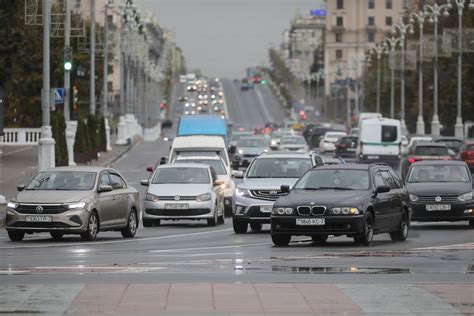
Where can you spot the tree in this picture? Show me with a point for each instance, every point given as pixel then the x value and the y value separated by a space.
pixel 58 125
pixel 102 135
pixel 92 133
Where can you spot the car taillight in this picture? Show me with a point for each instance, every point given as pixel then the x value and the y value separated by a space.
pixel 411 160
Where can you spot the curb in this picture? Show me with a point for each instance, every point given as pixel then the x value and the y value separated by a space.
pixel 112 160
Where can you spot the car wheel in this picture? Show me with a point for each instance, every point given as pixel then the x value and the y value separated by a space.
pixel 131 229
pixel 471 223
pixel 151 222
pixel 319 238
pixel 240 226
pixel 402 233
pixel 280 240
pixel 367 234
pixel 228 211
pixel 92 228
pixel 16 235
pixel 56 235
pixel 213 221
pixel 256 227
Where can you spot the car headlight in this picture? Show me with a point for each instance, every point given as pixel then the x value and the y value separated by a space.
pixel 12 205
pixel 413 198
pixel 344 211
pixel 241 151
pixel 274 143
pixel 151 197
pixel 242 192
pixel 465 197
pixel 74 206
pixel 203 197
pixel 282 211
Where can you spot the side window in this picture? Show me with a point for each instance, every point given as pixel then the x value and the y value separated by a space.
pixel 387 178
pixel 213 174
pixel 378 180
pixel 104 179
pixel 396 179
pixel 389 133
pixel 117 182
pixel 318 160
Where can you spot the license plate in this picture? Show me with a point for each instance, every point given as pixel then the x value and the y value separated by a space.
pixel 39 219
pixel 177 206
pixel 438 207
pixel 372 157
pixel 266 208
pixel 310 221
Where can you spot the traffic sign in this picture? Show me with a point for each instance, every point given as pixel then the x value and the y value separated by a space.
pixel 58 95
pixel 320 12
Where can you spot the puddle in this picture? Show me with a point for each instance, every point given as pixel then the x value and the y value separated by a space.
pixel 325 270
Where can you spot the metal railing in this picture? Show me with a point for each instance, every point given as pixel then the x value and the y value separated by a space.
pixel 20 136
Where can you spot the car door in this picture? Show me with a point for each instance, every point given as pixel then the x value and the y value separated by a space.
pixel 106 201
pixel 381 203
pixel 121 199
pixel 395 198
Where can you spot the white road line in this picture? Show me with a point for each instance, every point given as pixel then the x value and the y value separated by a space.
pixel 17 151
pixel 210 248
pixel 116 241
pixel 467 246
pixel 262 103
pixel 226 110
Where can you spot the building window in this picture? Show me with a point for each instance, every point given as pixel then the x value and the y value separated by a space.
pixel 388 21
pixel 339 54
pixel 371 21
pixel 339 21
pixel 371 4
pixel 388 4
pixel 339 37
pixel 406 4
pixel 77 3
pixel 340 4
pixel 371 37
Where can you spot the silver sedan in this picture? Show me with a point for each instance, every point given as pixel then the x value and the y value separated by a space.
pixel 73 200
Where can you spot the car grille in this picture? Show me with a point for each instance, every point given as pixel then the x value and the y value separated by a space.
pixel 444 199
pixel 47 209
pixel 178 213
pixel 269 195
pixel 311 210
pixel 181 198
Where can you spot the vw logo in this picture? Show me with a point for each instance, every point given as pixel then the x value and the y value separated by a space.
pixel 177 198
pixel 312 203
pixel 274 192
pixel 438 199
pixel 39 209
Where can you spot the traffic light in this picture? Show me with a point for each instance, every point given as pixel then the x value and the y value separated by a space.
pixel 68 58
pixel 264 82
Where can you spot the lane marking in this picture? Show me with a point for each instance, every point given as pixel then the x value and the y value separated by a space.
pixel 116 241
pixel 226 110
pixel 262 104
pixel 210 248
pixel 466 246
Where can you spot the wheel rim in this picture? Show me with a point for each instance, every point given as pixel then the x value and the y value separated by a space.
pixel 369 232
pixel 132 222
pixel 93 225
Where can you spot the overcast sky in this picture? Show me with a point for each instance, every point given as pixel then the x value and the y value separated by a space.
pixel 223 37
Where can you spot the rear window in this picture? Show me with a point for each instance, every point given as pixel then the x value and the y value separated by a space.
pixel 348 140
pixel 389 134
pixel 470 147
pixel 431 151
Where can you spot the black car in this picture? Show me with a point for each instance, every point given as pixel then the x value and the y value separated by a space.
pixel 424 151
pixel 346 147
pixel 356 200
pixel 441 191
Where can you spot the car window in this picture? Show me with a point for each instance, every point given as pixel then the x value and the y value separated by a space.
pixel 378 179
pixel 216 164
pixel 388 180
pixel 116 180
pixel 63 180
pixel 431 151
pixel 213 174
pixel 338 179
pixel 389 133
pixel 104 179
pixel 181 175
pixel 279 167
pixel 438 173
pixel 396 179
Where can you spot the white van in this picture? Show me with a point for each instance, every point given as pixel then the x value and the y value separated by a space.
pixel 379 141
pixel 199 144
pixel 368 115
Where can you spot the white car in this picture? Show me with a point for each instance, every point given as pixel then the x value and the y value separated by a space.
pixel 183 192
pixel 293 143
pixel 328 142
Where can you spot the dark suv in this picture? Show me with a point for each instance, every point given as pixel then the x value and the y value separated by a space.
pixel 356 200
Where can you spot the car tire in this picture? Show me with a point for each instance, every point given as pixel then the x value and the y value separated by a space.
pixel 256 227
pixel 16 235
pixel 240 226
pixel 151 222
pixel 319 239
pixel 281 240
pixel 213 221
pixel 471 223
pixel 367 234
pixel 132 224
pixel 92 228
pixel 402 233
pixel 56 235
pixel 228 211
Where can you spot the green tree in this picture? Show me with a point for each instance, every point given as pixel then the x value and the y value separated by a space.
pixel 102 135
pixel 92 132
pixel 58 125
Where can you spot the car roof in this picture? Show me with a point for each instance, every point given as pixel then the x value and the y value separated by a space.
pixel 79 168
pixel 183 165
pixel 439 162
pixel 202 157
pixel 348 166
pixel 284 154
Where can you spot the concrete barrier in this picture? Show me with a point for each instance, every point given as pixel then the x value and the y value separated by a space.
pixel 3 207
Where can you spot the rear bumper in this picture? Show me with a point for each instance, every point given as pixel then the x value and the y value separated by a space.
pixel 340 225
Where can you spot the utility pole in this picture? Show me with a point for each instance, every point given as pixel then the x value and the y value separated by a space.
pixel 105 91
pixel 67 73
pixel 92 61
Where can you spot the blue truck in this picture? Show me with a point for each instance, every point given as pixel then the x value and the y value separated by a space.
pixel 211 125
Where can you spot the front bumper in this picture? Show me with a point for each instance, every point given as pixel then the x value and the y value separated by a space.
pixel 334 225
pixel 195 210
pixel 250 209
pixel 461 211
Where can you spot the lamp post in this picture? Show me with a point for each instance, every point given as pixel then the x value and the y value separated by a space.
pixel 92 59
pixel 403 29
pixel 392 42
pixel 318 76
pixel 434 11
pixel 379 49
pixel 420 17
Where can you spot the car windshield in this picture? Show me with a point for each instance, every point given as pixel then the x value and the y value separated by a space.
pixel 348 141
pixel 293 141
pixel 279 167
pixel 334 179
pixel 438 173
pixel 63 180
pixel 214 163
pixel 252 142
pixel 431 151
pixel 452 144
pixel 181 175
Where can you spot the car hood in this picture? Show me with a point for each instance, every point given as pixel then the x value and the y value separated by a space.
pixel 327 198
pixel 52 196
pixel 266 183
pixel 251 150
pixel 438 188
pixel 179 189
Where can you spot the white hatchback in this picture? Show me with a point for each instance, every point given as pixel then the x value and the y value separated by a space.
pixel 328 142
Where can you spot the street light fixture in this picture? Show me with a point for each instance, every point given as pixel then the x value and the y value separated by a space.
pixel 379 49
pixel 392 42
pixel 434 11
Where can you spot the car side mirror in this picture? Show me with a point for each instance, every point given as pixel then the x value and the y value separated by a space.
pixel 149 169
pixel 218 183
pixel 105 188
pixel 285 189
pixel 382 189
pixel 145 183
pixel 20 187
pixel 162 161
pixel 238 174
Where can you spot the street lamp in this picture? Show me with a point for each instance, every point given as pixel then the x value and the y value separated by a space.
pixel 318 76
pixel 434 11
pixel 379 49
pixel 392 42
pixel 403 29
pixel 420 17
pixel 459 128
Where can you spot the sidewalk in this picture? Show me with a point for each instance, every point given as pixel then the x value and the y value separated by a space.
pixel 238 299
